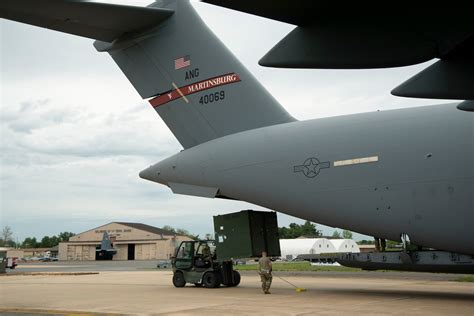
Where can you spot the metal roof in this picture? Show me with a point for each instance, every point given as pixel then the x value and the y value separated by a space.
pixel 148 228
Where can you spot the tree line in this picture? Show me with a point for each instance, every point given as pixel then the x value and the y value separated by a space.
pixel 310 230
pixel 296 230
pixel 181 231
pixel 292 231
pixel 346 234
pixel 6 240
pixel 46 241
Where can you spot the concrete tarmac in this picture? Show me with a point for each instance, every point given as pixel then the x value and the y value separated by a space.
pixel 151 292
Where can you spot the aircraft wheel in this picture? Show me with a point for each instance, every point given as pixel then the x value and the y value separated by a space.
pixel 178 279
pixel 211 280
pixel 236 276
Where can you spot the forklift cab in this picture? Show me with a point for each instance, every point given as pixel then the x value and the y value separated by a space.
pixel 195 262
pixel 196 255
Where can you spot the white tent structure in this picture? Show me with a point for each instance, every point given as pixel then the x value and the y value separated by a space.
pixel 323 245
pixel 291 248
pixel 345 245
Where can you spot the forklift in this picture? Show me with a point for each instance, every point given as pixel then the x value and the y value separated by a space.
pixel 196 262
pixel 238 235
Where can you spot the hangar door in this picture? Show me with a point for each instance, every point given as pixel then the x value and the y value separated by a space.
pixel 145 251
pixel 80 252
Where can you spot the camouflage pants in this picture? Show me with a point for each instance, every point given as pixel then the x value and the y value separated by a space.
pixel 266 281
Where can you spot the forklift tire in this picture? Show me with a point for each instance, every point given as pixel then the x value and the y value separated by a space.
pixel 236 276
pixel 178 279
pixel 211 280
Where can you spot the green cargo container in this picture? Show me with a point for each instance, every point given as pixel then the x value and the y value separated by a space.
pixel 246 234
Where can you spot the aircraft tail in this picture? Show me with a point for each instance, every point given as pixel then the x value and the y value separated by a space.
pixel 191 79
pixel 196 85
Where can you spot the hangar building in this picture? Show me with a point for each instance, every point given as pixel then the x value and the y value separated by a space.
pixel 133 241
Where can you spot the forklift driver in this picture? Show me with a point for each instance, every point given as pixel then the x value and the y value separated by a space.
pixel 206 253
pixel 203 258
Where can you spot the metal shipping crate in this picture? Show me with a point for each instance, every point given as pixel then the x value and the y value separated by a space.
pixel 246 234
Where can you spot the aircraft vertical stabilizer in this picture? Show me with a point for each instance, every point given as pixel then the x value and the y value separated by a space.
pixel 194 82
pixel 191 79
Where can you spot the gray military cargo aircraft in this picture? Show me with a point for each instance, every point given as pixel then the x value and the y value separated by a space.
pixel 390 174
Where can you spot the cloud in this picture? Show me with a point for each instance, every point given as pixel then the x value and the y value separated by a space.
pixel 31 115
pixel 34 129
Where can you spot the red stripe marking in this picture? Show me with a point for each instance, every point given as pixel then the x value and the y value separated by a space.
pixel 195 87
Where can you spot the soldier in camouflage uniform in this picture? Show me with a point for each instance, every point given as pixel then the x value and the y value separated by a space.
pixel 265 271
pixel 206 253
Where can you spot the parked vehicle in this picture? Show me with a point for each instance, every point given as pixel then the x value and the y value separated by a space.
pixel 12 262
pixel 164 264
pixel 7 262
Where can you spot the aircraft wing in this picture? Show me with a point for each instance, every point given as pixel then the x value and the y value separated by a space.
pixel 101 21
pixel 332 35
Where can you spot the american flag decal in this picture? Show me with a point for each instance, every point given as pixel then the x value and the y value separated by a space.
pixel 182 62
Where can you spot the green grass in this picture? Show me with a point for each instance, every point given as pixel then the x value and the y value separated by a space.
pixel 466 278
pixel 296 266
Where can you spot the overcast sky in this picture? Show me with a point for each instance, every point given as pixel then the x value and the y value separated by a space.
pixel 75 133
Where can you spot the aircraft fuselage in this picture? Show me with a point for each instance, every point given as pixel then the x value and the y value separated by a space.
pixel 384 174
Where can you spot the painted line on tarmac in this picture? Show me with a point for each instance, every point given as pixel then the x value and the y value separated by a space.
pixel 48 273
pixel 41 266
pixel 28 311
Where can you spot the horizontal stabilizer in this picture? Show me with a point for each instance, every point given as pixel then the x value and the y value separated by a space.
pixel 306 12
pixel 102 21
pixel 333 47
pixel 359 35
pixel 446 79
pixel 467 106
